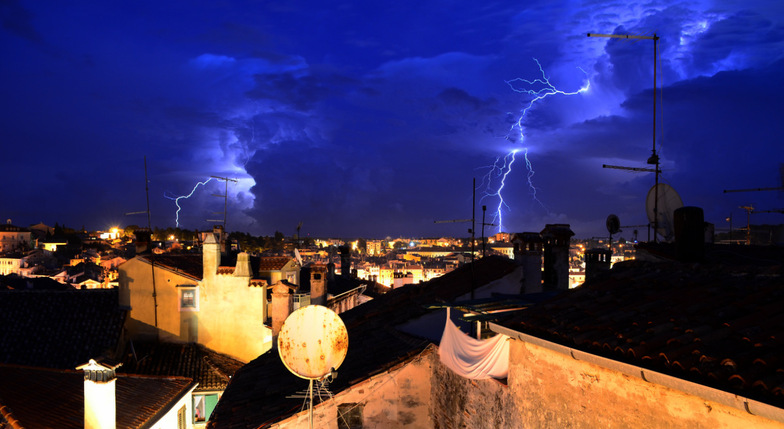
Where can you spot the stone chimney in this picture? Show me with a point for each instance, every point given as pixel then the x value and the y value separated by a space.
pixel 556 239
pixel 689 229
pixel 100 408
pixel 331 272
pixel 597 261
pixel 318 284
pixel 221 237
pixel 345 261
pixel 528 253
pixel 282 301
pixel 243 266
pixel 143 240
pixel 211 256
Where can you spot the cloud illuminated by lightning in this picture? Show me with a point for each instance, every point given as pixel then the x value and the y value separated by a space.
pixel 177 199
pixel 537 89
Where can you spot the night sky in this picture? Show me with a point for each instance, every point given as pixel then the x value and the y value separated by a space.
pixel 363 119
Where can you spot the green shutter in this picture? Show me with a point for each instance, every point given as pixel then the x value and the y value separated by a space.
pixel 210 402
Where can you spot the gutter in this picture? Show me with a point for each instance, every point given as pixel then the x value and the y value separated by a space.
pixel 751 406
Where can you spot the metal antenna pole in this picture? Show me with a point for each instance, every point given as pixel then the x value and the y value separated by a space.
pixel 152 254
pixel 654 159
pixel 225 197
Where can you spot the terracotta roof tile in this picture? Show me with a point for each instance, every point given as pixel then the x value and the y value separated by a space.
pixel 715 323
pixel 212 370
pixel 39 397
pixel 272 263
pixel 189 264
pixel 59 329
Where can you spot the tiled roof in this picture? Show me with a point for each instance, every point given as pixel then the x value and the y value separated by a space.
pixel 52 398
pixel 188 263
pixel 719 324
pixel 272 263
pixel 257 393
pixel 212 370
pixel 58 329
pixel 31 283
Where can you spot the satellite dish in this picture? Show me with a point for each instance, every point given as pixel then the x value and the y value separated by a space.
pixel 669 201
pixel 298 256
pixel 613 224
pixel 313 342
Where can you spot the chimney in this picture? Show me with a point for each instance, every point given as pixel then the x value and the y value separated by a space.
pixel 331 272
pixel 556 239
pixel 345 262
pixel 243 266
pixel 282 301
pixel 220 236
pixel 597 261
pixel 318 284
pixel 100 409
pixel 528 253
pixel 689 228
pixel 143 238
pixel 211 256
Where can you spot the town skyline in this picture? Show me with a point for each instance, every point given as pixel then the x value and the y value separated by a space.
pixel 358 121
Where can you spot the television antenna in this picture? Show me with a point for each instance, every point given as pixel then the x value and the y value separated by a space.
pixel 312 344
pixel 654 158
pixel 225 197
pixel 471 231
pixel 152 254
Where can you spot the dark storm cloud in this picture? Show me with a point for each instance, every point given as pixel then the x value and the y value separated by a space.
pixel 18 20
pixel 367 119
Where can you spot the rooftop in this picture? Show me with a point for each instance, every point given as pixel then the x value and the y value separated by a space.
pixel 58 329
pixel 212 370
pixel 42 398
pixel 257 393
pixel 718 323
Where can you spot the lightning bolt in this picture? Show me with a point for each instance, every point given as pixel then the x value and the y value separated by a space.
pixel 538 90
pixel 177 199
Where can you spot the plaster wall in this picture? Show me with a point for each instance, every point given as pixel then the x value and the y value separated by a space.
pixel 230 316
pixel 553 390
pixel 400 398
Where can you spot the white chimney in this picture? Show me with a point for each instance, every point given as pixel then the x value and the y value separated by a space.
pixel 243 266
pixel 100 409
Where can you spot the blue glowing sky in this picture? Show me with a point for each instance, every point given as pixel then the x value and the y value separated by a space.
pixel 365 120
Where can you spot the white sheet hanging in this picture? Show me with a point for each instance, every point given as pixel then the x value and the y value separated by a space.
pixel 472 358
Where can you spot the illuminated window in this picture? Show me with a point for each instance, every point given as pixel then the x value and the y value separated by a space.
pixel 189 299
pixel 203 406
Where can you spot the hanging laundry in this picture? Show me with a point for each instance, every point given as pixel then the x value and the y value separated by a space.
pixel 472 358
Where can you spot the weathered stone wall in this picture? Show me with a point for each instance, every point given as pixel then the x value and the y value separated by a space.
pixel 462 403
pixel 553 390
pixel 399 398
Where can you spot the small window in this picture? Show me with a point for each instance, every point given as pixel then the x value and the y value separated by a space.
pixel 189 299
pixel 181 422
pixel 350 416
pixel 203 406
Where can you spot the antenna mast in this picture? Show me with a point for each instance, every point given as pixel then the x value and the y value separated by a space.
pixel 654 158
pixel 225 197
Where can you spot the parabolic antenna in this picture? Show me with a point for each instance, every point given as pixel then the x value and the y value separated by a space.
pixel 613 224
pixel 669 201
pixel 312 342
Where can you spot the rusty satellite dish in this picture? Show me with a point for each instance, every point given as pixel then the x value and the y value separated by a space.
pixel 313 342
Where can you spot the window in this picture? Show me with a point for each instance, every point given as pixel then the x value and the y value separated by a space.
pixel 181 422
pixel 189 299
pixel 203 406
pixel 350 416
